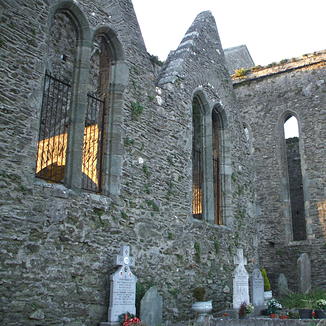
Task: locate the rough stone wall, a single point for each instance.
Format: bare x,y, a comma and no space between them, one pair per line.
58,244
267,97
296,188
62,47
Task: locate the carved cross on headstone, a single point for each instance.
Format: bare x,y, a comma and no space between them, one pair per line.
239,259
240,280
122,288
125,261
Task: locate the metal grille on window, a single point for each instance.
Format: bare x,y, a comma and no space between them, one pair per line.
217,190
197,160
197,181
216,166
93,143
53,132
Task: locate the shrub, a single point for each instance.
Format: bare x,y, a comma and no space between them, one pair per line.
267,284
241,72
199,293
256,68
284,61
301,300
140,292
293,315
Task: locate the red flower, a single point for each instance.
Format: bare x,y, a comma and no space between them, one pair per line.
131,321
284,317
273,315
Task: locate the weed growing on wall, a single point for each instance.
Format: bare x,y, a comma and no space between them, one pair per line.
242,72
136,110
197,252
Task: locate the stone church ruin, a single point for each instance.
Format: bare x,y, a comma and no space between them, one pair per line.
185,161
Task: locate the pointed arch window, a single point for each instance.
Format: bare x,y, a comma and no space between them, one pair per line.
78,144
217,162
211,164
197,159
294,176
97,99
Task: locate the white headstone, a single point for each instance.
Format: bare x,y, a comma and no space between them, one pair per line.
122,287
257,288
240,280
304,271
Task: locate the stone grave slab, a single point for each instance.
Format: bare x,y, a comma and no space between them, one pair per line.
282,285
257,282
151,307
304,273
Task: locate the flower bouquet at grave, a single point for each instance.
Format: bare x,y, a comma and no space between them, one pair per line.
273,306
321,304
249,308
245,308
320,311
129,319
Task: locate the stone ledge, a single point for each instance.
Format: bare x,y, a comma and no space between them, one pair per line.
268,322
255,322
311,61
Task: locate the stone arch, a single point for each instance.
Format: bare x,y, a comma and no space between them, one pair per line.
116,51
76,14
290,210
202,96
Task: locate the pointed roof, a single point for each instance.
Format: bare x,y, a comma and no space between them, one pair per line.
172,69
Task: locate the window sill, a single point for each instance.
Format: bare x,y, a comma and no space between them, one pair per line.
207,223
61,191
300,242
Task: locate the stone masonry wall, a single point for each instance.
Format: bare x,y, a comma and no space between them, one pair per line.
267,96
58,244
295,188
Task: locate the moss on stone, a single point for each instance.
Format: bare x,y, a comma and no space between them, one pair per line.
197,252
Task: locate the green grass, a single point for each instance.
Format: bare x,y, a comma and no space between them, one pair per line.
300,300
241,72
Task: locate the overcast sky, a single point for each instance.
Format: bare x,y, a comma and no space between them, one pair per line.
272,29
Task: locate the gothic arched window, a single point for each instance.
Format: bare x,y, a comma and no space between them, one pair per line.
294,177
217,162
83,83
197,159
